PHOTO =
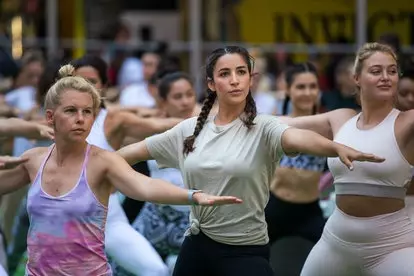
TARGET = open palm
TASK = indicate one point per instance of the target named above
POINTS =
(209, 200)
(347, 155)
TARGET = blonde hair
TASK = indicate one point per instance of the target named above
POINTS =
(68, 81)
(367, 50)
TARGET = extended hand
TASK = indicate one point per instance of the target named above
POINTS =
(46, 132)
(347, 155)
(9, 162)
(209, 200)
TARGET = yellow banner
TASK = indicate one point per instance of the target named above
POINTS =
(321, 21)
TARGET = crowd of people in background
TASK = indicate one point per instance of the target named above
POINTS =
(147, 96)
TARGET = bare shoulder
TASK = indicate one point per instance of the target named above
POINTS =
(406, 120)
(347, 113)
(102, 159)
(97, 154)
(36, 153)
(407, 115)
(35, 158)
(337, 118)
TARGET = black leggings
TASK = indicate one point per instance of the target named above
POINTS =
(202, 256)
(292, 219)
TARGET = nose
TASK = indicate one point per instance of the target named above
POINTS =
(234, 80)
(80, 118)
(385, 75)
(307, 91)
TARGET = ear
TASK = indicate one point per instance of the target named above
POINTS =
(49, 117)
(211, 85)
(252, 76)
(356, 79)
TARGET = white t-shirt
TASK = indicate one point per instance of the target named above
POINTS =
(22, 98)
(227, 160)
(136, 94)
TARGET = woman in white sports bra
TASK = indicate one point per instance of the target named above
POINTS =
(370, 231)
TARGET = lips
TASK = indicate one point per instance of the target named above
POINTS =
(236, 91)
(384, 86)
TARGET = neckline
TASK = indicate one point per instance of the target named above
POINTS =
(77, 183)
(376, 126)
(220, 128)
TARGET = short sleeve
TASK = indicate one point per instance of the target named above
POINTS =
(166, 148)
(273, 130)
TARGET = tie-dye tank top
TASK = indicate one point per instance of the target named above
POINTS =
(66, 234)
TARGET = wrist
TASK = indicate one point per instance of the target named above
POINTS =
(191, 198)
(336, 148)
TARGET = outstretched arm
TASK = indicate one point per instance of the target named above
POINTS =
(305, 141)
(135, 153)
(20, 127)
(139, 127)
(13, 179)
(141, 187)
(322, 124)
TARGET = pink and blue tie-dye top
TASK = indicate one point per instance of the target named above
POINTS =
(66, 234)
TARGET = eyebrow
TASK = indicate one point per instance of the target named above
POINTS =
(379, 65)
(72, 106)
(238, 67)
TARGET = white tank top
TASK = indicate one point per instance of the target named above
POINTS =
(387, 179)
(97, 135)
(97, 138)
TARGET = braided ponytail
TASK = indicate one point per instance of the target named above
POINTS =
(250, 111)
(201, 120)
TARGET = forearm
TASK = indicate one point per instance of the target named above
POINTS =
(154, 190)
(13, 179)
(19, 127)
(161, 125)
(308, 142)
(160, 191)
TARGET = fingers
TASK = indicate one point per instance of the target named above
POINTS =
(48, 135)
(371, 158)
(220, 200)
(347, 163)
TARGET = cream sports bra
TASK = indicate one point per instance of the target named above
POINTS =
(387, 179)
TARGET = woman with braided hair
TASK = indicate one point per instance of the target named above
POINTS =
(233, 152)
(72, 180)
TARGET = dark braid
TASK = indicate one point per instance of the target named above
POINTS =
(250, 111)
(285, 108)
(201, 120)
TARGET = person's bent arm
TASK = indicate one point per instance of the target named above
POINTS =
(141, 187)
(139, 127)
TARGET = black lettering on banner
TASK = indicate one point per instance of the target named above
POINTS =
(373, 21)
(292, 28)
